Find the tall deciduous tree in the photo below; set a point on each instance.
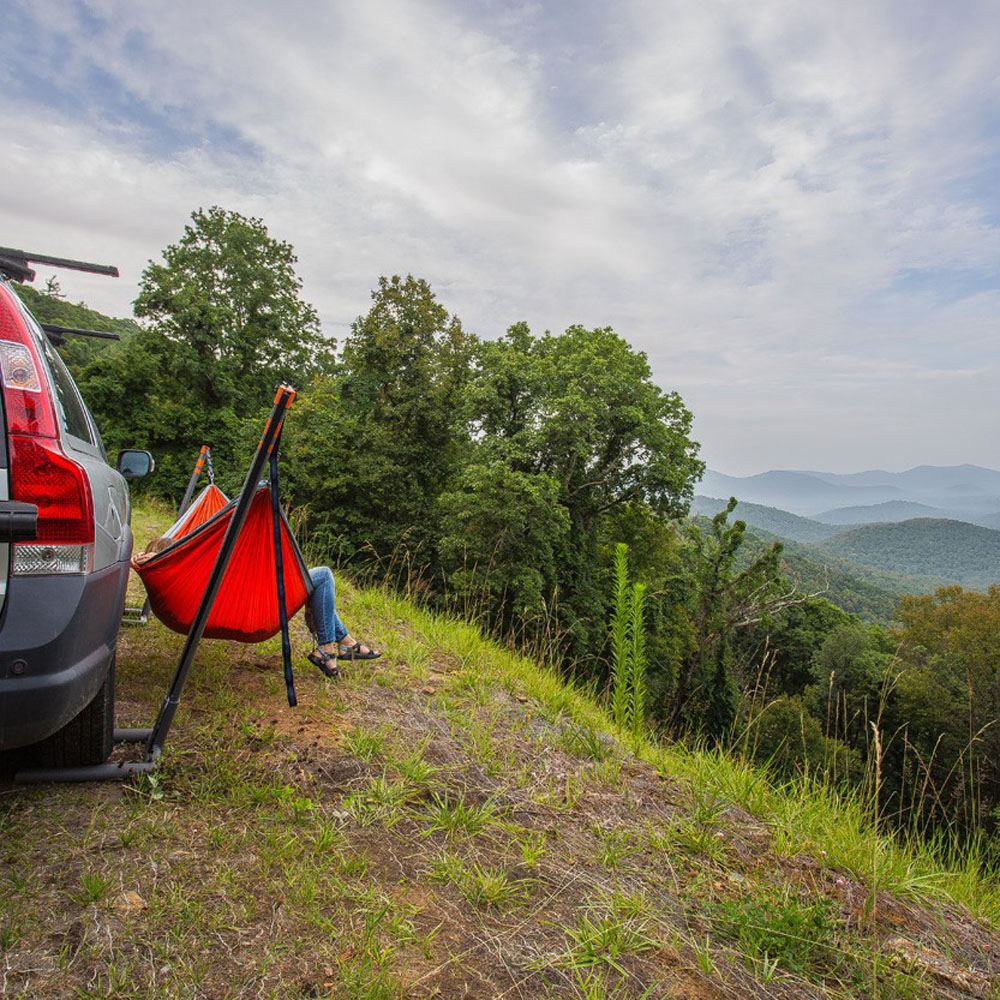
(227, 294)
(384, 445)
(225, 325)
(581, 410)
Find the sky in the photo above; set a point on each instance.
(791, 207)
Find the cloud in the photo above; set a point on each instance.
(785, 206)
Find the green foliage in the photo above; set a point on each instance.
(628, 648)
(786, 736)
(501, 535)
(224, 326)
(786, 643)
(716, 599)
(637, 656)
(51, 307)
(798, 934)
(581, 409)
(620, 666)
(372, 448)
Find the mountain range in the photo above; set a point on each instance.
(906, 532)
(968, 493)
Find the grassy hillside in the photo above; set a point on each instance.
(455, 821)
(77, 351)
(961, 553)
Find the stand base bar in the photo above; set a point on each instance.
(97, 772)
(131, 735)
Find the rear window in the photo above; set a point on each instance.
(74, 416)
(68, 401)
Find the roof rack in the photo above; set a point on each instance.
(14, 264)
(57, 334)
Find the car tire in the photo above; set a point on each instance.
(85, 740)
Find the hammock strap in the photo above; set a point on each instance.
(208, 460)
(286, 646)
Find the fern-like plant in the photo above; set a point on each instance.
(628, 647)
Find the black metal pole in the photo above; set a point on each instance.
(279, 569)
(169, 708)
(189, 492)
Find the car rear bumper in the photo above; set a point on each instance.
(56, 643)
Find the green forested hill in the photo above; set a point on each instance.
(777, 522)
(959, 552)
(870, 593)
(866, 591)
(77, 351)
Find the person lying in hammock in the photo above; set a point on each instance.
(333, 641)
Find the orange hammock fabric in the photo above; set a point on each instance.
(206, 505)
(246, 607)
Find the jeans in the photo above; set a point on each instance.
(329, 628)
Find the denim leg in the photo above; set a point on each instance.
(329, 627)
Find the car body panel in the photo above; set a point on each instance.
(58, 638)
(58, 630)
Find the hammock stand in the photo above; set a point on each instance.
(235, 514)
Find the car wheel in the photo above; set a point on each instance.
(86, 739)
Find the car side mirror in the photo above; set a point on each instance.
(134, 464)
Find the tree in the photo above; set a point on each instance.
(714, 600)
(951, 640)
(373, 460)
(582, 410)
(51, 306)
(224, 326)
(227, 295)
(501, 536)
(785, 644)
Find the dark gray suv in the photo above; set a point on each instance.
(61, 593)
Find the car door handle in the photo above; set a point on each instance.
(18, 521)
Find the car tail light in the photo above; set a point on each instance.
(27, 396)
(41, 474)
(39, 471)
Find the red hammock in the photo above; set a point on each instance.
(208, 503)
(246, 607)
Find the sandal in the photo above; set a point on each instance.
(322, 661)
(354, 653)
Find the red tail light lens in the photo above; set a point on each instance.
(41, 474)
(26, 394)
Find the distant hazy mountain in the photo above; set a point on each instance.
(963, 492)
(891, 510)
(964, 553)
(777, 522)
(803, 493)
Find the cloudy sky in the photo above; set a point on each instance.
(792, 207)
